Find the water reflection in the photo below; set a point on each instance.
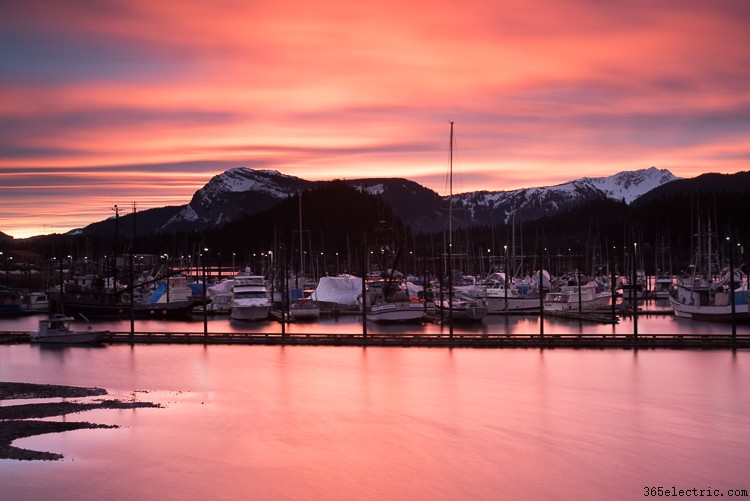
(653, 322)
(295, 422)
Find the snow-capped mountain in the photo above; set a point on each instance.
(233, 194)
(244, 191)
(494, 207)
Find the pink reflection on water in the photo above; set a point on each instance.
(267, 422)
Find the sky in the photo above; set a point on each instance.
(106, 102)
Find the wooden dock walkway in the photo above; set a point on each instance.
(587, 341)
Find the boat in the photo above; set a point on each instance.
(36, 302)
(339, 293)
(639, 288)
(304, 308)
(56, 329)
(662, 286)
(592, 296)
(220, 296)
(695, 296)
(698, 296)
(461, 307)
(392, 306)
(90, 295)
(521, 296)
(457, 305)
(10, 302)
(250, 298)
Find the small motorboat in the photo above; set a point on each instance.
(56, 329)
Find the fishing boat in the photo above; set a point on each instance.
(699, 296)
(702, 299)
(56, 329)
(91, 295)
(251, 300)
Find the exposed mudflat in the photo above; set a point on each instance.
(22, 420)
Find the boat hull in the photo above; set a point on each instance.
(497, 305)
(599, 303)
(396, 312)
(176, 309)
(250, 313)
(710, 313)
(305, 313)
(83, 337)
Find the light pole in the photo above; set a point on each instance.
(507, 282)
(731, 290)
(205, 309)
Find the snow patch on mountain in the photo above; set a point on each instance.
(530, 203)
(629, 185)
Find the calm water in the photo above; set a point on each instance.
(342, 423)
(648, 323)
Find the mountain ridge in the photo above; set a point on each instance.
(243, 191)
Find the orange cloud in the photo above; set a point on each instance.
(324, 89)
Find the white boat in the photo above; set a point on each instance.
(592, 297)
(304, 308)
(463, 308)
(36, 302)
(700, 299)
(56, 329)
(699, 296)
(399, 308)
(518, 297)
(250, 300)
(221, 296)
(339, 292)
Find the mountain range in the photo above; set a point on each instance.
(243, 191)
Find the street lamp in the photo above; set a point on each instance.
(505, 284)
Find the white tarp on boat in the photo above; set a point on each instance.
(343, 290)
(223, 287)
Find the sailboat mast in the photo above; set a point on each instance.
(450, 238)
(301, 251)
(450, 199)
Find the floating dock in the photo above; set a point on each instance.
(587, 341)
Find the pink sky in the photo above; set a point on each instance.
(114, 101)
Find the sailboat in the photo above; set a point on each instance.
(304, 306)
(458, 306)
